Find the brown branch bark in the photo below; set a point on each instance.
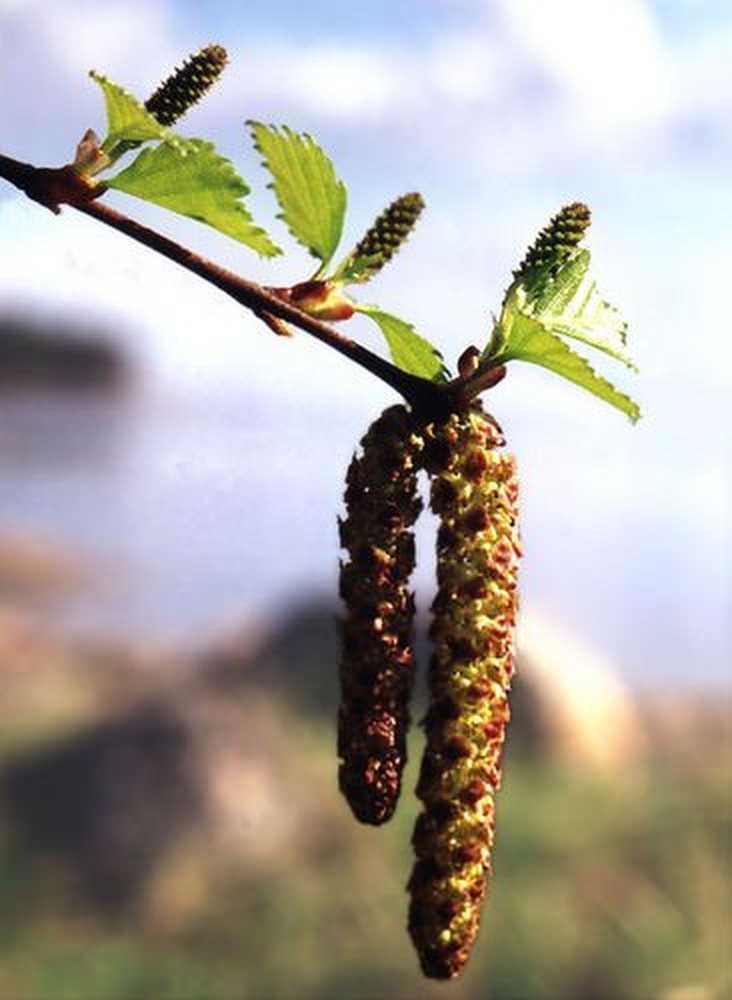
(52, 187)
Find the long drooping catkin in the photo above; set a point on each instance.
(376, 662)
(475, 494)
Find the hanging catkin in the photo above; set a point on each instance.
(475, 494)
(376, 660)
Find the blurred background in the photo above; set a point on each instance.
(170, 475)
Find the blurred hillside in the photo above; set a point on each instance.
(170, 827)
(170, 824)
(199, 489)
(47, 355)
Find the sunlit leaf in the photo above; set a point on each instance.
(409, 351)
(572, 306)
(127, 119)
(194, 180)
(527, 339)
(311, 198)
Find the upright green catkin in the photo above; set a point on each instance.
(557, 240)
(390, 230)
(376, 659)
(187, 85)
(475, 494)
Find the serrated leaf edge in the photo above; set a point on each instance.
(369, 309)
(164, 134)
(553, 319)
(195, 147)
(307, 140)
(504, 355)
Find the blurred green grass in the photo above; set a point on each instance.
(605, 887)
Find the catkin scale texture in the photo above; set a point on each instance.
(390, 230)
(475, 494)
(376, 659)
(557, 239)
(187, 85)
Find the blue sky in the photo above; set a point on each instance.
(499, 112)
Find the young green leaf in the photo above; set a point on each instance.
(382, 240)
(572, 306)
(127, 119)
(527, 339)
(194, 180)
(557, 295)
(409, 351)
(311, 198)
(552, 295)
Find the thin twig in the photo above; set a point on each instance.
(421, 393)
(16, 172)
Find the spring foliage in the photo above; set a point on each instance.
(552, 297)
(551, 304)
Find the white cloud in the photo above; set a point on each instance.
(466, 67)
(337, 81)
(705, 68)
(133, 40)
(75, 38)
(561, 79)
(341, 82)
(608, 58)
(609, 65)
(356, 81)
